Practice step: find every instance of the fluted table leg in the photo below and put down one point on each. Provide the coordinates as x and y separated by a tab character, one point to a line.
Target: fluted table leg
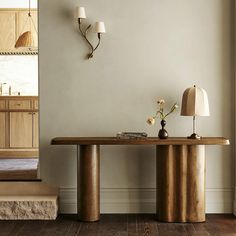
88	182
181	183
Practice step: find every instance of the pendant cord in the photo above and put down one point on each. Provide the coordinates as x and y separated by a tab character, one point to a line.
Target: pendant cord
29	9
31	19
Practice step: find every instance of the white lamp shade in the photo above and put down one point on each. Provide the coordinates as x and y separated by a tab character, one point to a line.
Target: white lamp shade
195	102
80	12
100	27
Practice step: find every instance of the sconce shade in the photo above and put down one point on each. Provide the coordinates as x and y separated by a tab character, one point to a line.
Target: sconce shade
100	27
195	102
80	12
25	40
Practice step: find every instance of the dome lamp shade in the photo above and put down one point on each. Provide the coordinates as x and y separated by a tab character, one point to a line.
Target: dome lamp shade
195	103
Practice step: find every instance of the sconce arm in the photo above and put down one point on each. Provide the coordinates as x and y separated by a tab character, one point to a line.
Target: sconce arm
90	55
85	34
99	40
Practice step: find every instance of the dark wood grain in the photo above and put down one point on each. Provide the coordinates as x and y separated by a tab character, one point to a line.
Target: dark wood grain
132	225
89	183
59	227
89	229
206	228
120	225
145	141
147	226
189	228
32	228
174	229
225	225
10	227
113	225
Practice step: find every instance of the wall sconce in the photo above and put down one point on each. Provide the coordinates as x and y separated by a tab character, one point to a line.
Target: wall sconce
99	29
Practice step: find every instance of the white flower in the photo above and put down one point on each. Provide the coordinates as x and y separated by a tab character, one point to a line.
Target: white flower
151	121
176	106
161	102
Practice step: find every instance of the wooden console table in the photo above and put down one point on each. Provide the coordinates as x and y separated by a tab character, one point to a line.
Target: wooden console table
180	175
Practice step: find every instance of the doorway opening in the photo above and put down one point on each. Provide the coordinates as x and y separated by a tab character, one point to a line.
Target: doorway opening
19	104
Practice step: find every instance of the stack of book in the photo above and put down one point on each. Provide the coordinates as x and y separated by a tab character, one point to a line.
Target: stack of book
130	135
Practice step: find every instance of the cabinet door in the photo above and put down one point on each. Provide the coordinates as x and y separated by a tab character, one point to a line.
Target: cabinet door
7	31
36	129
2	129
24	25
21	129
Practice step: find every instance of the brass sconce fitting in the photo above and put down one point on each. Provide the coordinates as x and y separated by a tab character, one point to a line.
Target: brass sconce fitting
99	29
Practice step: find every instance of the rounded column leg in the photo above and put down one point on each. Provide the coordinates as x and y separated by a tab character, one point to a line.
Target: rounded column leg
181	183
89	183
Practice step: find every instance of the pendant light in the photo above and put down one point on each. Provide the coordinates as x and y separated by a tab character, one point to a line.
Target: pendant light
26	39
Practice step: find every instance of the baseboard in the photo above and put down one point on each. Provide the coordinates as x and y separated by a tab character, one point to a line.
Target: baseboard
122	200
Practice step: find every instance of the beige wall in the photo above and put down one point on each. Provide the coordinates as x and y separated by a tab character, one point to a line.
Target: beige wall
152	49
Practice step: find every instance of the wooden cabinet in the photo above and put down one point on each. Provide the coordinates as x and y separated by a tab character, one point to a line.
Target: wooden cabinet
24	130
35	129
12	24
7	30
19	122
36	104
2	104
19	104
21	127
2	129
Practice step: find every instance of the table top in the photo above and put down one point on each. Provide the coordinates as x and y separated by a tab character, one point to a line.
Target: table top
139	141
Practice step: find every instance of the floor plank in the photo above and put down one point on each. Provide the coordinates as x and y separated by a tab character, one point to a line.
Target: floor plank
10	227
59	227
132	225
206	228
75	227
89	229
225	225
114	225
120	225
147	225
171	229
31	228
189	228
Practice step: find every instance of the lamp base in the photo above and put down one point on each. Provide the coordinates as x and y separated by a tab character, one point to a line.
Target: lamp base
194	136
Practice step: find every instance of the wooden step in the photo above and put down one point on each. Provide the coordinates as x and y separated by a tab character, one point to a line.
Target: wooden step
28	200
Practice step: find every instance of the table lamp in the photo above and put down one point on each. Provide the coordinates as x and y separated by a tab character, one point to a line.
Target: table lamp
195	103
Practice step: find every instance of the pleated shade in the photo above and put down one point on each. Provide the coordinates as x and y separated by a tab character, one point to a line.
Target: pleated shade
195	102
25	40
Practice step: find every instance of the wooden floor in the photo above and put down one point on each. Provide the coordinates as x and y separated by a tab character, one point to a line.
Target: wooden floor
20	169
119	225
